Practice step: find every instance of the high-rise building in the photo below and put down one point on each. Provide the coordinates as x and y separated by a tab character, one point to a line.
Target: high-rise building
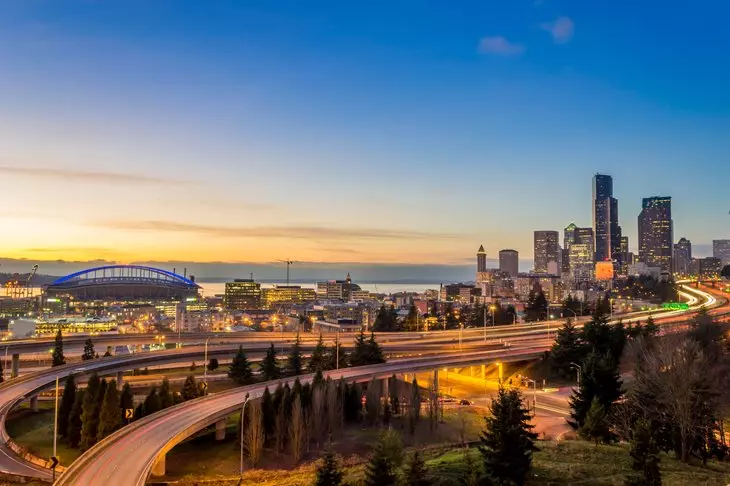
721	250
655	232
481	260
547	250
509	262
709	267
606	231
337	289
579	244
242	294
625	255
682	257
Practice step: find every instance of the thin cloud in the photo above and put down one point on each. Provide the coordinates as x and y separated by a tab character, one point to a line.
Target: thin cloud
562	29
299	232
500	46
70	249
85	176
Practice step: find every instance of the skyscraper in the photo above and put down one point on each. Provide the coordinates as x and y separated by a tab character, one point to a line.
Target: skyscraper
481	260
682	257
721	250
509	262
655	232
547	250
579	244
607	232
625	258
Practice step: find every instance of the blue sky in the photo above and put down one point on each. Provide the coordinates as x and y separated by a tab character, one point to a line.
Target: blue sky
339	131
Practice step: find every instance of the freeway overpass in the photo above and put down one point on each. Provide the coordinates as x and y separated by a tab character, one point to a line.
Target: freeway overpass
17	390
140	448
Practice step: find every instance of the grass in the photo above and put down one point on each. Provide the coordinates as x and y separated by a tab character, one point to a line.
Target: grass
34	430
557	463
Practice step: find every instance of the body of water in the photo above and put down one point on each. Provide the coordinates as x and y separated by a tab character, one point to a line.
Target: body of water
218	288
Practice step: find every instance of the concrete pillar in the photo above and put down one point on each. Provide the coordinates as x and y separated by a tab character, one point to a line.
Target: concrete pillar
120	379
471	372
436	381
34	403
158	468
15	366
384	387
484	372
220	430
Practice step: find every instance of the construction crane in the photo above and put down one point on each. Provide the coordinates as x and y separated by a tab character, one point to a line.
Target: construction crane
288	263
28	291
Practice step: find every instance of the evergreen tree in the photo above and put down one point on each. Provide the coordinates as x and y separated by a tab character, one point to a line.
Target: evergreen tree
90	412
73	431
189	390
599	379
645	457
329	471
240	369
88	350
151	402
359	355
58	358
317	361
375	352
451	321
67	402
416	473
109	417
386	320
213	364
566	349
382	468
295	362
2	373
507	442
537	304
126	400
270	366
650	328
268	409
100	394
595	426
411	321
166	394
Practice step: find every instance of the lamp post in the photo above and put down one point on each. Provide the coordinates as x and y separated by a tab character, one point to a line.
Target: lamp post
577	367
337	350
534	395
243	414
55	428
485	324
499	367
205	365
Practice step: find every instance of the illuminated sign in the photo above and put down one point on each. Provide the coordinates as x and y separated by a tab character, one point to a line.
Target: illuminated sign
675	306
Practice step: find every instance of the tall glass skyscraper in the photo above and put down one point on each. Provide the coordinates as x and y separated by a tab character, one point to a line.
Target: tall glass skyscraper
606	231
655	232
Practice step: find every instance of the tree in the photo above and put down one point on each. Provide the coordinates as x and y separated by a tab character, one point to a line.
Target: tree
281	424
126	400
411	321
387	457
297	429
359	355
58	358
599	379
375	352
650	328
472	471
537	304
90	412
165	394
329	470
416	473
386	320
566	349
414	413
725	272
507	442
73	431
269	366
152	402
240	369
645	457
190	388
336	357
295	362
88	350
254	434
109	418
213	364
317	361
67	402
595	426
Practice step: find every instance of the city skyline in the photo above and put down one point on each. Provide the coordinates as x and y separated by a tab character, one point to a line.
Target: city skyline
224	134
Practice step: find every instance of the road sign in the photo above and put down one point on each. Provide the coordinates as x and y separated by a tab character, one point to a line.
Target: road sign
54	462
204	386
128	413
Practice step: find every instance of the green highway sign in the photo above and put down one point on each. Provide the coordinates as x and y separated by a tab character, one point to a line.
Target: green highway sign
675	306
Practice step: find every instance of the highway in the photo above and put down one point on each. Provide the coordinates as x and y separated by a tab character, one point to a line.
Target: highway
138	448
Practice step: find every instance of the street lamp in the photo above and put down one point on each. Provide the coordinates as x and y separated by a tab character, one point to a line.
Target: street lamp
205	365
577	367
243	414
534	395
499	367
55	429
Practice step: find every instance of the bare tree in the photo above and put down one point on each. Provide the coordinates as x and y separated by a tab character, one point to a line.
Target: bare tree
281	426
372	403
318	416
297	429
254	434
334	409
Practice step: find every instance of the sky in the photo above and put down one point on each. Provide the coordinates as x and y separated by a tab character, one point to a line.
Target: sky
379	132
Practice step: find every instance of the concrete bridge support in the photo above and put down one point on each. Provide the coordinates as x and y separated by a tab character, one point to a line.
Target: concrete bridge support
484	372
220	430
120	379
15	366
436	381
34	403
158	468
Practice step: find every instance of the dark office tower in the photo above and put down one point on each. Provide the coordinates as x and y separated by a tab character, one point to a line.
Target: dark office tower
481	260
605	220
625	259
682	257
547	251
509	262
655	232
